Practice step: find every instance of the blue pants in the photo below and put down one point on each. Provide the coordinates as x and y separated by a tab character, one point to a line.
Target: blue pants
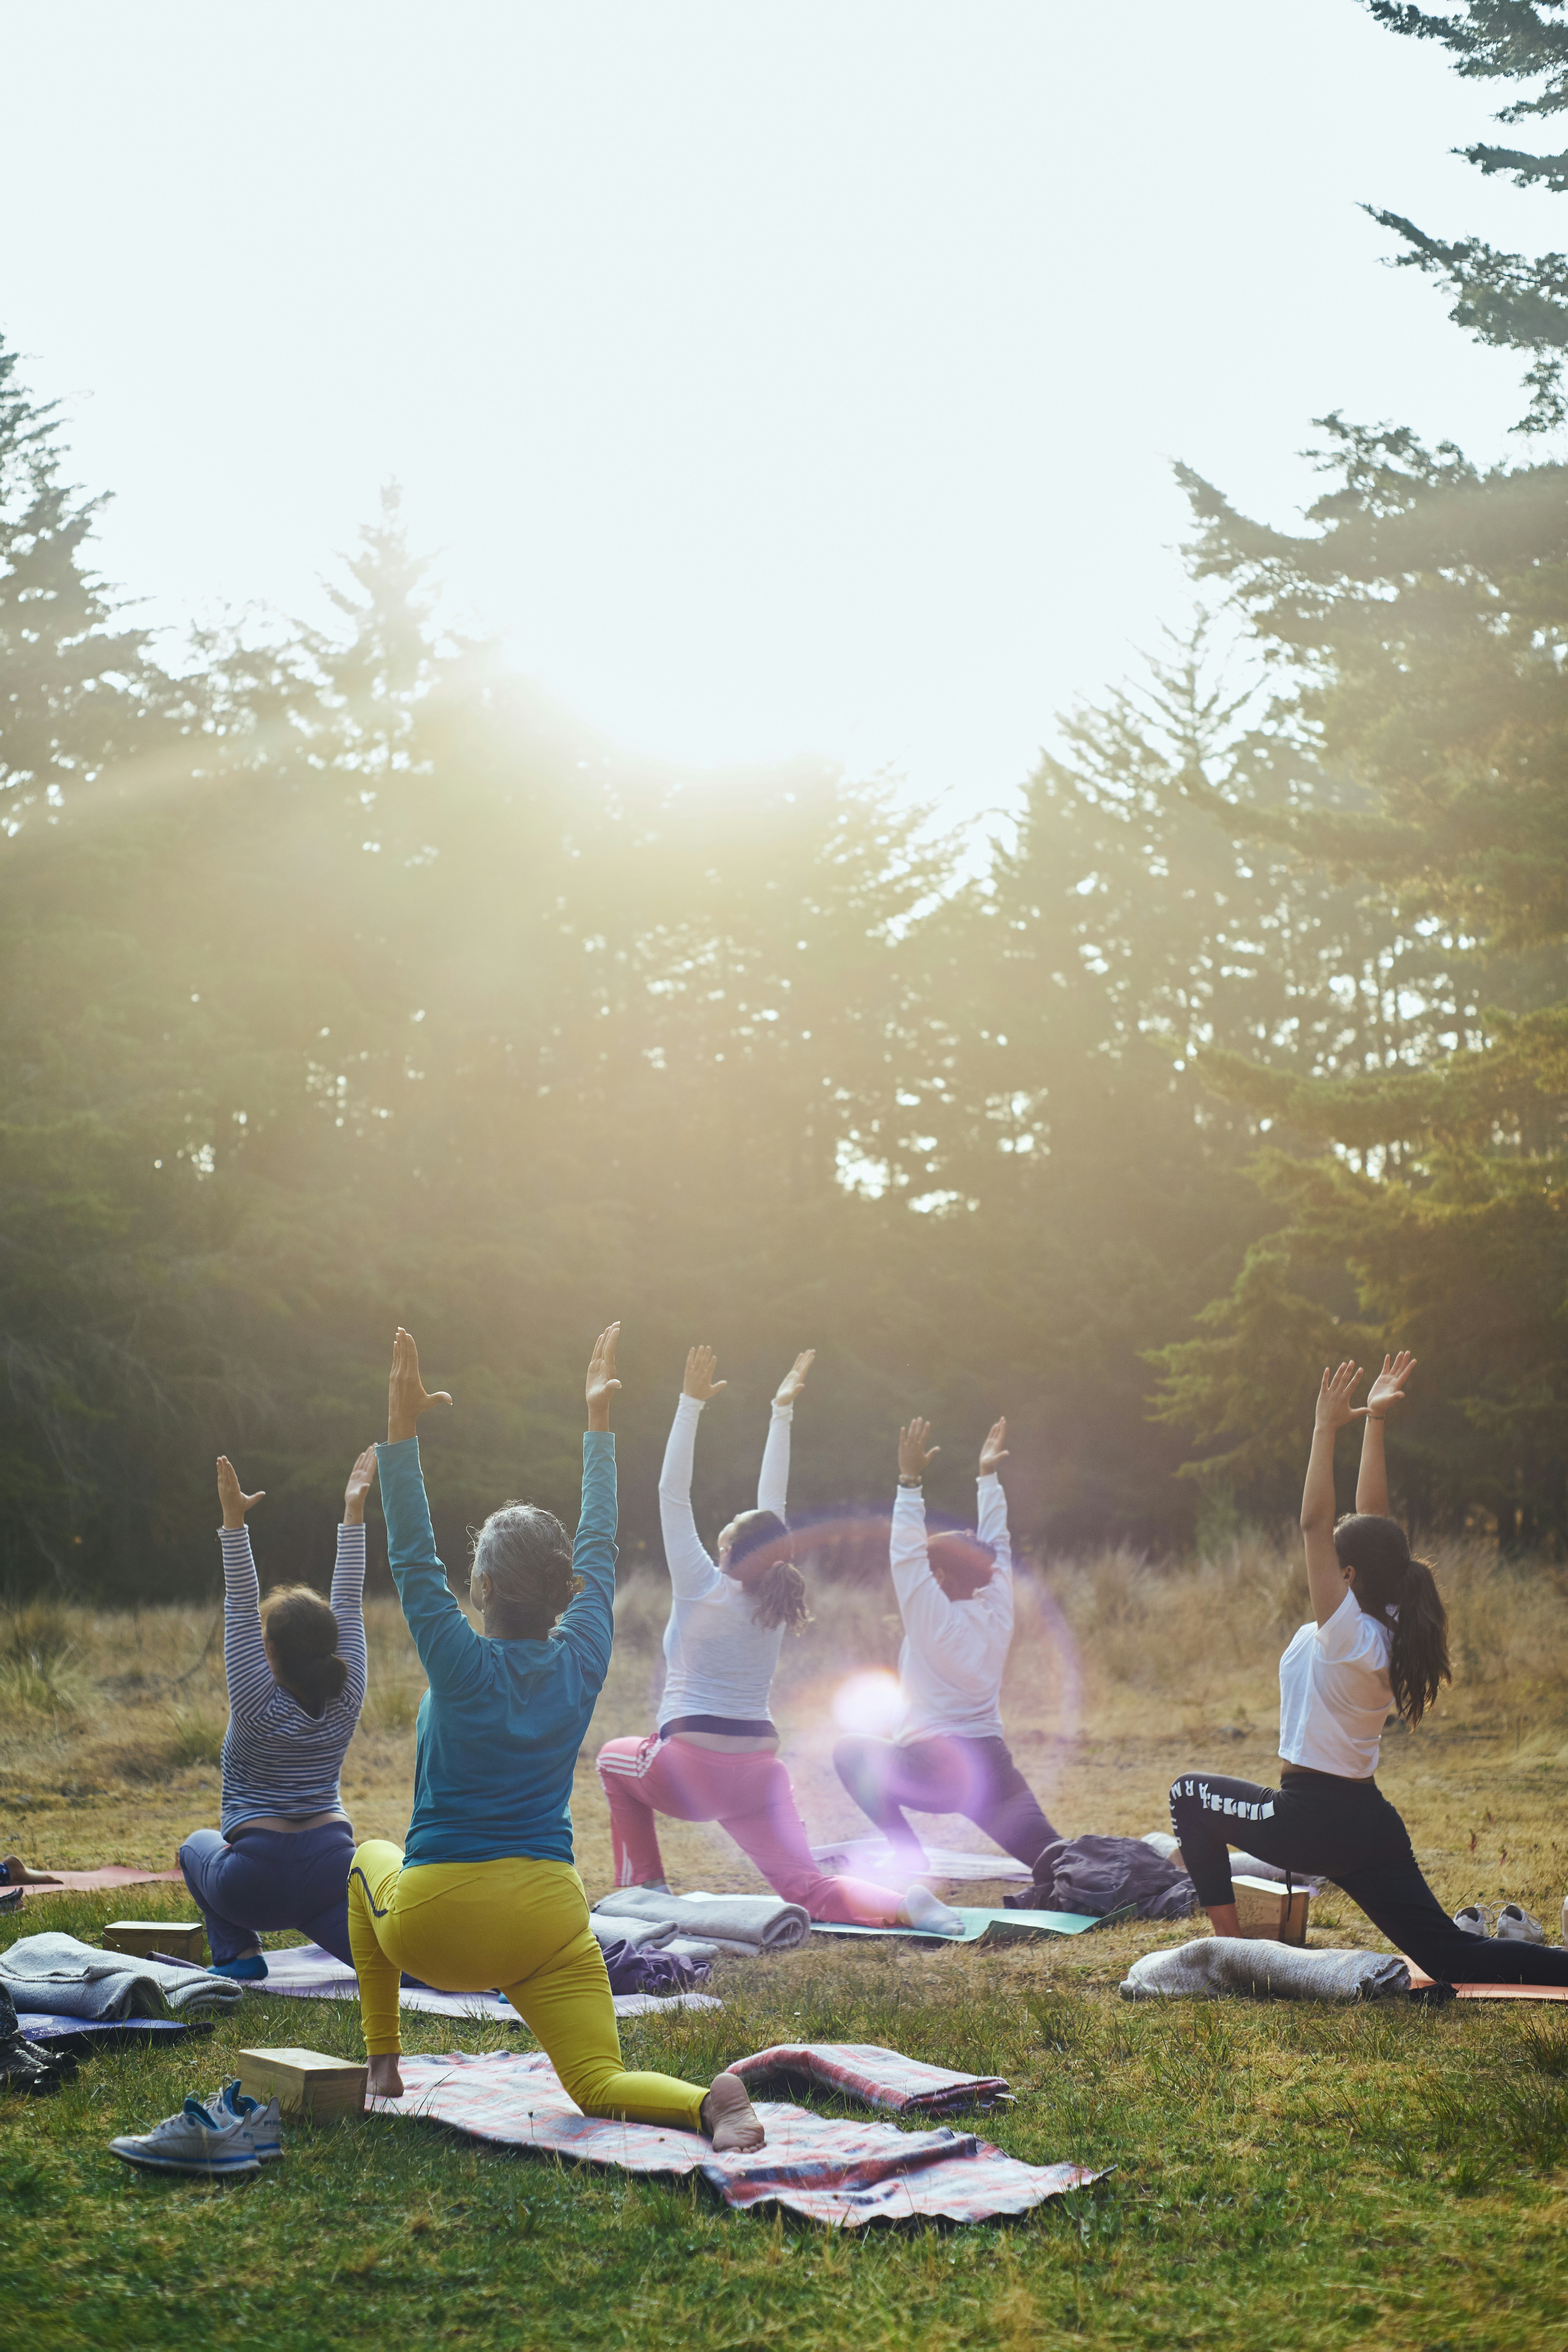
269	1879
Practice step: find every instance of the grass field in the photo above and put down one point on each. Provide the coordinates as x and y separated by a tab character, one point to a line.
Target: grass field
1281	2175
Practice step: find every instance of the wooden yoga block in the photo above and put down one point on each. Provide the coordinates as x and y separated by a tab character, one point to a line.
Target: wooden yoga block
182	1940
304	2082
1261	1910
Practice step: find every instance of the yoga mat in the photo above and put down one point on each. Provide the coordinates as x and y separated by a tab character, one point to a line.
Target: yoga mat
986	1927
844	2174
1421	1982
37	2025
872	1857
114	1873
304	1973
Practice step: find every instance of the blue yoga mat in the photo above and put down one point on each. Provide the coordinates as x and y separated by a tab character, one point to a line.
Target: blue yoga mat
41	2026
997	1927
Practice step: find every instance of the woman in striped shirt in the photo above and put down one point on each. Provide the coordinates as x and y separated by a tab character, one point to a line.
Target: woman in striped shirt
296	1671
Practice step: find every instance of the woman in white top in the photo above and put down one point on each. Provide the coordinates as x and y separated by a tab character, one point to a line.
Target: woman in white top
1378	1638
955	1597
715	1755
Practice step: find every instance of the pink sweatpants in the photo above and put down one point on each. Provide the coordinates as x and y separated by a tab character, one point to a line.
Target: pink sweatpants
747	1794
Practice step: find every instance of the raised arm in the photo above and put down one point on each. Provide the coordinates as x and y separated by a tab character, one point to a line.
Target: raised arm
449	1650
773	1478
991	1499
933	1622
348	1577
692	1571
588	1625
251	1683
1325	1577
1386	1391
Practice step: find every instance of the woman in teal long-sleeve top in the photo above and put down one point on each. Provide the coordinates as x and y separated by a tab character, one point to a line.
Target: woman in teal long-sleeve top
485	1892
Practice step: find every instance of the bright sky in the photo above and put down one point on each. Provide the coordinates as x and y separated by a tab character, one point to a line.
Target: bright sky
788	377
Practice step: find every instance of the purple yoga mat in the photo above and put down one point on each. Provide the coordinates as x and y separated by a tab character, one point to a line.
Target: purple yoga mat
39	2025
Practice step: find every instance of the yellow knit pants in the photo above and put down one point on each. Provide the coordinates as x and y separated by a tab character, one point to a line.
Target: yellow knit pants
520	1924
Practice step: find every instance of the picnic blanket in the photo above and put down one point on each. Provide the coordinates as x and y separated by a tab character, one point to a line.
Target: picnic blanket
1213	1965
878	2077
747	1924
71	1978
844	2174
982	1927
305	1972
873	1858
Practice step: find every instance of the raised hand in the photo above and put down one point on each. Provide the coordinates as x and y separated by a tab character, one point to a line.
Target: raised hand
406	1395
1388	1388
234	1503
993	1452
699	1381
1334	1393
793	1379
358	1487
602	1383
912	1455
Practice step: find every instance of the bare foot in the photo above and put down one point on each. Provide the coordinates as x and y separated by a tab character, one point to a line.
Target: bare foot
729	2118
18	1874
383	2080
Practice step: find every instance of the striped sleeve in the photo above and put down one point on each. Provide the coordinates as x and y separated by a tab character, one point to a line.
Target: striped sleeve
348	1608
251	1686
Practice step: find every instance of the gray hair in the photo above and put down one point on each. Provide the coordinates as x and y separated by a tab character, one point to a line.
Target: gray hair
527	1554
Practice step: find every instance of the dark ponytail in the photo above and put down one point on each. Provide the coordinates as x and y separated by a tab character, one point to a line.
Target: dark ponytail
778	1590
303	1635
1401	1592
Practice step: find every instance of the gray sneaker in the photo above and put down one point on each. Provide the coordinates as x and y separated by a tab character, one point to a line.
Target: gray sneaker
192	2141
1517	1926
1475	1919
234	2105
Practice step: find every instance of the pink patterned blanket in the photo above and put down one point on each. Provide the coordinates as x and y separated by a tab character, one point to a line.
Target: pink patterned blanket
879	2077
841	2174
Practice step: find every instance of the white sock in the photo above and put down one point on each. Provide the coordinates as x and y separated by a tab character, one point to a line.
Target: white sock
924	1909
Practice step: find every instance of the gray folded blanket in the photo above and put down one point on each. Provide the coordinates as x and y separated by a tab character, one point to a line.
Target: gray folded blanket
1213	1965
733	1923
649	1936
57	1974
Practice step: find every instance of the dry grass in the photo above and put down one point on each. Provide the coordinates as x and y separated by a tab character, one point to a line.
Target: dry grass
1122	1673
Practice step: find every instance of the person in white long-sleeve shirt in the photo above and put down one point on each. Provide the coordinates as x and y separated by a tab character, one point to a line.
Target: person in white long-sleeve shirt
715	1755
955	1597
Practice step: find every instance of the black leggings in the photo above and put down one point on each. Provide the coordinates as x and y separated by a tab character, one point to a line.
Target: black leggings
976	1778
1346	1831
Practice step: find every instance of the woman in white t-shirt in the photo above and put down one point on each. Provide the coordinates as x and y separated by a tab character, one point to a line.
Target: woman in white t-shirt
1378	1639
714	1756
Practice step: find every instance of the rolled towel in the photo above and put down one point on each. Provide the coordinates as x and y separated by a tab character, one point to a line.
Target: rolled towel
70	1979
1213	1965
735	1922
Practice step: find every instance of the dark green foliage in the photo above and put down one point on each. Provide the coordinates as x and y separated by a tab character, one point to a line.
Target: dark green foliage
1511	301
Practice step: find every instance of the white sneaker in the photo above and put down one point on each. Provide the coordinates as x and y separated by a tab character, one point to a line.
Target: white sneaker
234	2105
1517	1926
192	2141
924	1909
1475	1919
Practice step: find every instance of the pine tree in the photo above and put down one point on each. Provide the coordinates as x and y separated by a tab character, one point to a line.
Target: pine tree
1513	302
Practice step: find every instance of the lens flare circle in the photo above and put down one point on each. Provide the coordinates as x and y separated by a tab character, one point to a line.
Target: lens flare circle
869	1702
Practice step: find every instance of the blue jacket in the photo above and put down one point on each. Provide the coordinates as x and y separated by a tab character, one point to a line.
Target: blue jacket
498	1731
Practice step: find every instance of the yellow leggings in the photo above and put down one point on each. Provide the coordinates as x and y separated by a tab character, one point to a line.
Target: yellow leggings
522	1925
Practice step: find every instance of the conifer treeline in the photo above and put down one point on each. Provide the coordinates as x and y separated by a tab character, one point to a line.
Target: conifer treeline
345	981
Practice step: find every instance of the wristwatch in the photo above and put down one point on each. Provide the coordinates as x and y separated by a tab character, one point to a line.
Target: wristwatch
912	1482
